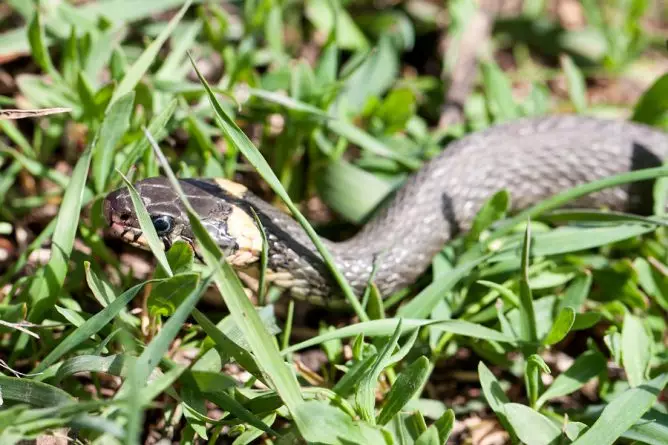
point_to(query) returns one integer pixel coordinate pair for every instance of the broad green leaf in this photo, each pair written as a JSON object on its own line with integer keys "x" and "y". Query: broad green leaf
{"x": 577, "y": 292}
{"x": 561, "y": 327}
{"x": 168, "y": 295}
{"x": 405, "y": 387}
{"x": 575, "y": 81}
{"x": 586, "y": 320}
{"x": 496, "y": 398}
{"x": 350, "y": 191}
{"x": 329, "y": 425}
{"x": 331, "y": 17}
{"x": 623, "y": 412}
{"x": 429, "y": 437}
{"x": 491, "y": 211}
{"x": 116, "y": 123}
{"x": 586, "y": 367}
{"x": 652, "y": 107}
{"x": 33, "y": 393}
{"x": 365, "y": 396}
{"x": 498, "y": 91}
{"x": 531, "y": 426}
{"x": 636, "y": 349}
{"x": 445, "y": 424}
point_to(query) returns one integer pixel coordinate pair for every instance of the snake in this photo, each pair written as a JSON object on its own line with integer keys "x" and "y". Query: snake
{"x": 532, "y": 158}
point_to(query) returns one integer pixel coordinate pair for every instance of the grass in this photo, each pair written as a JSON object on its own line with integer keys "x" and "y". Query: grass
{"x": 533, "y": 333}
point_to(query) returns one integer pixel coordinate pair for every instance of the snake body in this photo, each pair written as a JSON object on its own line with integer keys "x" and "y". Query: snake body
{"x": 532, "y": 158}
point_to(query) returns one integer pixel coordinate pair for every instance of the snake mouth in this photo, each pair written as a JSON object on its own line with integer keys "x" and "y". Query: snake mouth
{"x": 131, "y": 235}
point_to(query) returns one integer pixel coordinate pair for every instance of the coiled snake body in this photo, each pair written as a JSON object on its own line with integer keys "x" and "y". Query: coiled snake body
{"x": 532, "y": 158}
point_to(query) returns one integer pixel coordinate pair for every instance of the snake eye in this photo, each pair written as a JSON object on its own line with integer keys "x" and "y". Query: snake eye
{"x": 163, "y": 224}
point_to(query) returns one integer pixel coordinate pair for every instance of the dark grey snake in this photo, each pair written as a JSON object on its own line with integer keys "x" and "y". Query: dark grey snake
{"x": 532, "y": 158}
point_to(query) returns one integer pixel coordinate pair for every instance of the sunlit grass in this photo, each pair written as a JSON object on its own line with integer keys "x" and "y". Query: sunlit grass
{"x": 560, "y": 328}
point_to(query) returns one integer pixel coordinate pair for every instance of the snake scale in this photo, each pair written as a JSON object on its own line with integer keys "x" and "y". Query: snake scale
{"x": 532, "y": 158}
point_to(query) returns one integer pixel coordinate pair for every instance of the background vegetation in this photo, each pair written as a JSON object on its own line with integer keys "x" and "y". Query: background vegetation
{"x": 323, "y": 107}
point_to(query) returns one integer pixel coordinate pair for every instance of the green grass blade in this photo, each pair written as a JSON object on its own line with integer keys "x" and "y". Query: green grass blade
{"x": 38, "y": 45}
{"x": 367, "y": 142}
{"x": 146, "y": 224}
{"x": 531, "y": 426}
{"x": 407, "y": 385}
{"x": 46, "y": 286}
{"x": 245, "y": 146}
{"x": 277, "y": 374}
{"x": 112, "y": 364}
{"x": 568, "y": 240}
{"x": 561, "y": 326}
{"x": 243, "y": 357}
{"x": 142, "y": 64}
{"x": 91, "y": 326}
{"x": 586, "y": 367}
{"x": 572, "y": 194}
{"x": 385, "y": 327}
{"x": 32, "y": 393}
{"x": 116, "y": 122}
{"x": 577, "y": 88}
{"x": 636, "y": 349}
{"x": 365, "y": 396}
{"x": 527, "y": 312}
{"x": 623, "y": 412}
{"x": 424, "y": 302}
{"x": 151, "y": 356}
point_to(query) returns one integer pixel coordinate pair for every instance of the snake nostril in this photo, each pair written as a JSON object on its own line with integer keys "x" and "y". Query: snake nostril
{"x": 124, "y": 216}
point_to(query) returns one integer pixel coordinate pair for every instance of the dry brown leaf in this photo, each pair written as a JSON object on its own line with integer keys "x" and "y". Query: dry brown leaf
{"x": 23, "y": 114}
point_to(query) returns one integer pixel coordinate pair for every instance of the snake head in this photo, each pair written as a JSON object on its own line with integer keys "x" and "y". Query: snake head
{"x": 231, "y": 227}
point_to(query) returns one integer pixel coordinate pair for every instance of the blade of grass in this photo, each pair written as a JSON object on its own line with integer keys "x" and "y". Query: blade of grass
{"x": 142, "y": 64}
{"x": 91, "y": 326}
{"x": 365, "y": 396}
{"x": 623, "y": 412}
{"x": 45, "y": 288}
{"x": 32, "y": 393}
{"x": 146, "y": 224}
{"x": 527, "y": 313}
{"x": 116, "y": 122}
{"x": 278, "y": 374}
{"x": 407, "y": 385}
{"x": 151, "y": 356}
{"x": 385, "y": 327}
{"x": 425, "y": 302}
{"x": 586, "y": 367}
{"x": 563, "y": 198}
{"x": 243, "y": 144}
